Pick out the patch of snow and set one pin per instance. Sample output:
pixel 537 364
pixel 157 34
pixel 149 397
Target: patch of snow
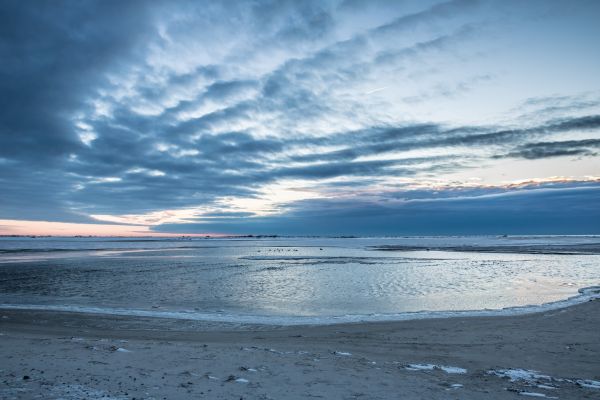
pixel 535 394
pixel 342 353
pixel 518 374
pixel 452 370
pixel 419 367
pixel 546 387
pixel 588 383
pixel 122 350
pixel 429 367
pixel 242 380
pixel 533 378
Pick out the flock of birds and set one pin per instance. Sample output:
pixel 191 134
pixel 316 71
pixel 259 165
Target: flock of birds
pixel 280 250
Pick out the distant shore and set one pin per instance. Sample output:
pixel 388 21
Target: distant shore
pixel 73 355
pixel 587 248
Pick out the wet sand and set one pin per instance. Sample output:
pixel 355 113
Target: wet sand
pixel 54 355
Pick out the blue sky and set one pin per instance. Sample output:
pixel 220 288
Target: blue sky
pixel 300 117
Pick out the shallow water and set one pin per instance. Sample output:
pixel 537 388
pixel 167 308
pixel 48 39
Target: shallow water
pixel 290 276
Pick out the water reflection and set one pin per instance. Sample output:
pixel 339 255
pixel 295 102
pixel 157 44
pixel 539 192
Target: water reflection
pixel 310 277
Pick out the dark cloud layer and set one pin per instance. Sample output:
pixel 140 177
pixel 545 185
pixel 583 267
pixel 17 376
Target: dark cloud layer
pixel 52 56
pixel 529 211
pixel 556 149
pixel 236 164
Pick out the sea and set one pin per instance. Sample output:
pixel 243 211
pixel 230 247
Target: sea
pixel 297 280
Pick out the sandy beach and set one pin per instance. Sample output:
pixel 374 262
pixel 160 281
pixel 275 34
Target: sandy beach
pixel 53 355
pixel 282 200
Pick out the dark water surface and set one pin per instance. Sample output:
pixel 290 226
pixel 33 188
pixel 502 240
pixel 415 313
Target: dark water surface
pixel 290 277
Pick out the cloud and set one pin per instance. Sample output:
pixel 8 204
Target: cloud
pixel 49 65
pixel 383 140
pixel 129 109
pixel 529 211
pixel 534 151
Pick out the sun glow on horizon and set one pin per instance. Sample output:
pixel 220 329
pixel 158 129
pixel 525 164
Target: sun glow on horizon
pixel 47 228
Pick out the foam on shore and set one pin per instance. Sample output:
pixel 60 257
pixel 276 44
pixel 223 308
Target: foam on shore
pixel 585 294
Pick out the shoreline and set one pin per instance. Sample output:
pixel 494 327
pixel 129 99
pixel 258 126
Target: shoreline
pixel 584 294
pixel 553 354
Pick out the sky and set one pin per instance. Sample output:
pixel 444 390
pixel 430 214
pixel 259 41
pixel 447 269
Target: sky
pixel 340 117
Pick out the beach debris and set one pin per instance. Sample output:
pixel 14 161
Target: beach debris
pixel 188 373
pixel 453 386
pixel 26 378
pixel 210 377
pixel 119 349
pixel 429 367
pixel 274 351
pixel 233 378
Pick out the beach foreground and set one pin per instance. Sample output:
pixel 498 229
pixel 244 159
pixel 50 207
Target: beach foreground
pixel 71 356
